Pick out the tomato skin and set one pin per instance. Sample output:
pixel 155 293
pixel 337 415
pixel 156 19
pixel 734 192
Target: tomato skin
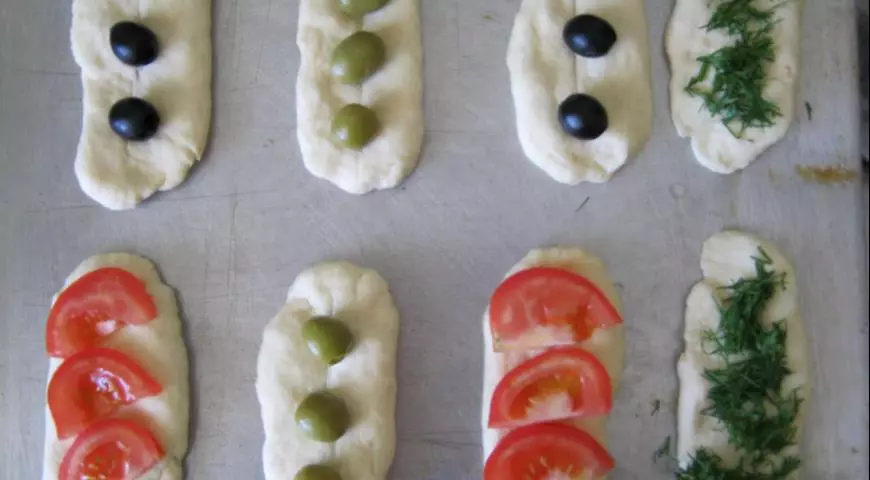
pixel 535 452
pixel 544 306
pixel 94 384
pixel 95 306
pixel 562 382
pixel 114 449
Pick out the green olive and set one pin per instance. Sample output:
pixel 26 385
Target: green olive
pixel 354 126
pixel 323 416
pixel 328 338
pixel 358 57
pixel 317 472
pixel 359 8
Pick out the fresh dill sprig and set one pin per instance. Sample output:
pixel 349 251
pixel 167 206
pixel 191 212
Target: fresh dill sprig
pixel 737 73
pixel 746 395
pixel 734 16
pixel 739 328
pixel 706 465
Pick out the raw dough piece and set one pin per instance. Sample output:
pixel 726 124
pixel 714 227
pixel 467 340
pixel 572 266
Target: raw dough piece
pixel 713 145
pixel 395 93
pixel 607 344
pixel 544 72
pixel 287 372
pixel 158 347
pixel 725 258
pixel 117 173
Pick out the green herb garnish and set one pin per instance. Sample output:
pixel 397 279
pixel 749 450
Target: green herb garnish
pixel 739 70
pixel 709 466
pixel 746 394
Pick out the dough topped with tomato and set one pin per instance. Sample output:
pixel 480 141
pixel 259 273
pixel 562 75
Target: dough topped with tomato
pixel 117 394
pixel 553 357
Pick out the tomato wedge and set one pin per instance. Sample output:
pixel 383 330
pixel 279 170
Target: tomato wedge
pixel 94 384
pixel 547 451
pixel 95 306
pixel 115 449
pixel 561 383
pixel 544 307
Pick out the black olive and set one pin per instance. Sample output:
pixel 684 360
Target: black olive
pixel 134 119
pixel 583 117
pixel 133 44
pixel 589 36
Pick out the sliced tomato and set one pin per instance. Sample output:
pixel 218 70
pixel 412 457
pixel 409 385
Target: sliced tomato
pixel 561 383
pixel 544 307
pixel 547 451
pixel 95 306
pixel 94 384
pixel 115 449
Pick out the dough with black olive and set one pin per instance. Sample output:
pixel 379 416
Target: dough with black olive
pixel 119 174
pixel 544 72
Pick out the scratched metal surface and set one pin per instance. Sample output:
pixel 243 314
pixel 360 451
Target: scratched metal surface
pixel 250 218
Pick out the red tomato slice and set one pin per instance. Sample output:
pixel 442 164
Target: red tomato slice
pixel 115 449
pixel 547 451
pixel 544 307
pixel 94 384
pixel 94 307
pixel 561 383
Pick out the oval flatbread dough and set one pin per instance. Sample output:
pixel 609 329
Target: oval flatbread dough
pixel 158 346
pixel 606 344
pixel 714 146
pixel 544 72
pixel 287 372
pixel 726 258
pixel 117 173
pixel 395 93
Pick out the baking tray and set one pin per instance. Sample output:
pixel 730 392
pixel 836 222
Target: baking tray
pixel 250 218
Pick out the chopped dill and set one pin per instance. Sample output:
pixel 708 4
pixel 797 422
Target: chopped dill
pixel 707 465
pixel 735 16
pixel 746 393
pixel 731 80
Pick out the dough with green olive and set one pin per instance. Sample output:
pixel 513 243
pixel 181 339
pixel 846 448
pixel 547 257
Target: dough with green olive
pixel 394 92
pixel 119 173
pixel 328 398
pixel 317 472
